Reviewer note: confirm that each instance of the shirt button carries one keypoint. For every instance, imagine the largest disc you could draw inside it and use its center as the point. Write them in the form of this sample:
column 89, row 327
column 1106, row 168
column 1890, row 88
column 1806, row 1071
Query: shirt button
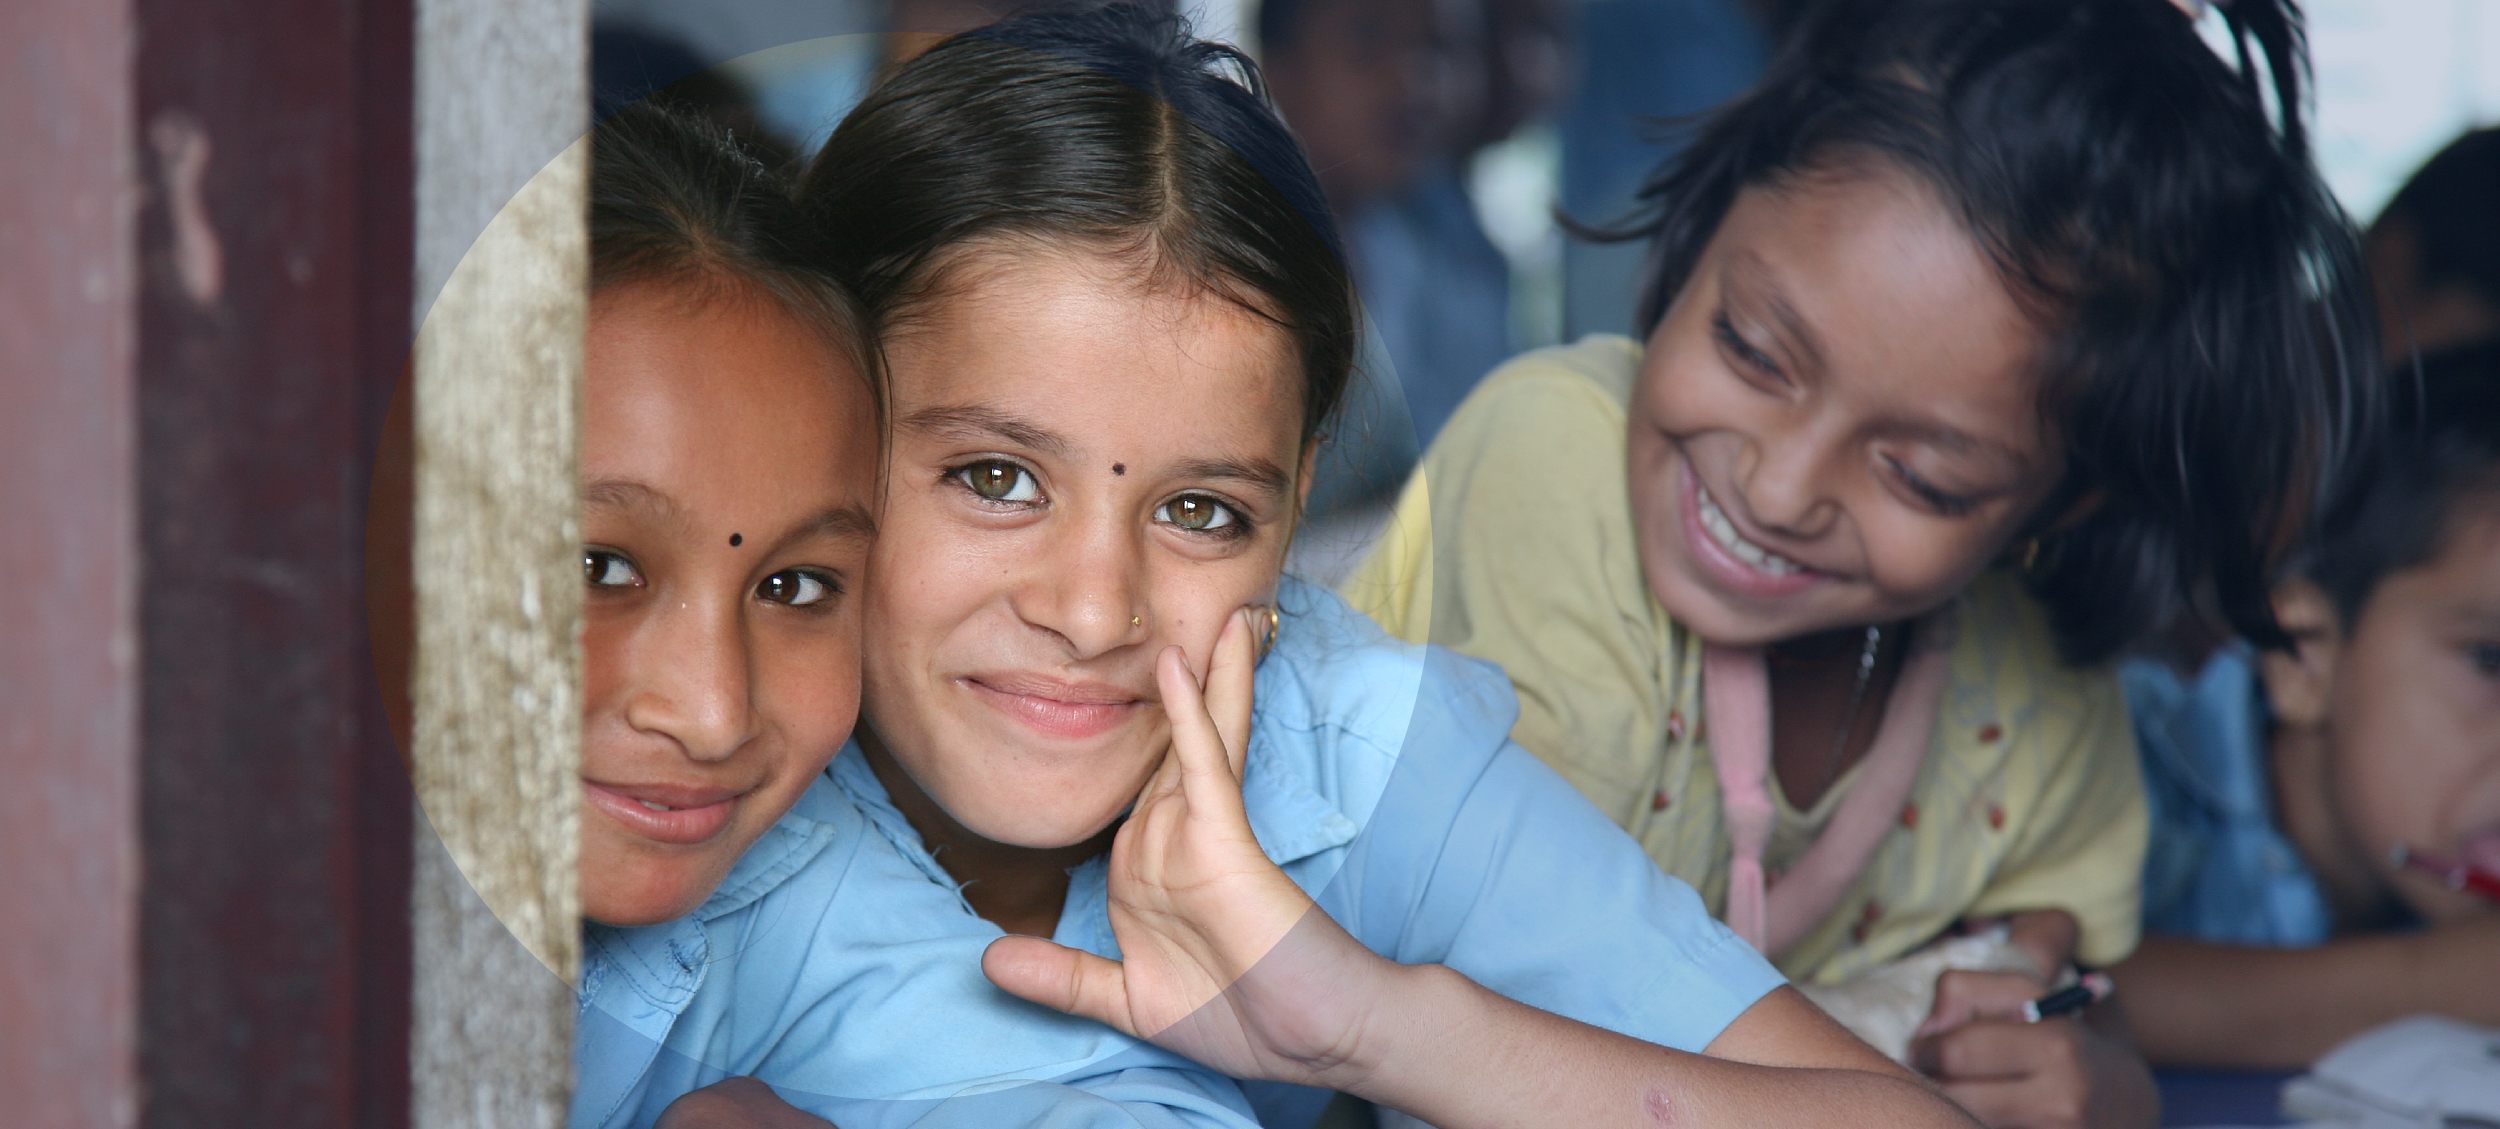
column 1658, row 800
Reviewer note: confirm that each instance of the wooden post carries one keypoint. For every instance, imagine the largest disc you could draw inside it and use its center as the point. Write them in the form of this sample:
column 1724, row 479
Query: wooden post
column 69, row 721
column 502, row 101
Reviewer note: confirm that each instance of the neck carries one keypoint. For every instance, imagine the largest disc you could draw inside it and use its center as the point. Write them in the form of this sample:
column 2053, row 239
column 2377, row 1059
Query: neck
column 1813, row 678
column 2297, row 763
column 1018, row 889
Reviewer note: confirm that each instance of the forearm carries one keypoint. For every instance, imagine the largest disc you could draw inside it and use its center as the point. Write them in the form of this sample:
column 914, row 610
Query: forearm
column 1457, row 1054
column 2196, row 1004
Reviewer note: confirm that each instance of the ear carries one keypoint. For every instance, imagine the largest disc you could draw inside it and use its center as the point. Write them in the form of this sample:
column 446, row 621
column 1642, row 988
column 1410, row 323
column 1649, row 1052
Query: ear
column 2298, row 681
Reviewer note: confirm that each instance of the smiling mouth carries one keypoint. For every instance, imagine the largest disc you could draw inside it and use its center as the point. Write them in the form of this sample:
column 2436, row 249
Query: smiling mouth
column 1714, row 521
column 1070, row 713
column 678, row 817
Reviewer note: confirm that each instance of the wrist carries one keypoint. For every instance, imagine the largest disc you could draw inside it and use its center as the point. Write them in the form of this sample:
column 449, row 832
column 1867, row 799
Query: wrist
column 1385, row 1051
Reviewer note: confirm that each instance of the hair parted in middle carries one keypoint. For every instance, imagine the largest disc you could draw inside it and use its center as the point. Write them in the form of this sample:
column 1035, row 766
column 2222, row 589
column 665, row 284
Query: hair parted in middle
column 1106, row 129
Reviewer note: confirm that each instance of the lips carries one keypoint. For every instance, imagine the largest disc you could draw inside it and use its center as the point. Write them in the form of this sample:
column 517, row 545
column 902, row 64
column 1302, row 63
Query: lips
column 1057, row 708
column 1732, row 561
column 665, row 813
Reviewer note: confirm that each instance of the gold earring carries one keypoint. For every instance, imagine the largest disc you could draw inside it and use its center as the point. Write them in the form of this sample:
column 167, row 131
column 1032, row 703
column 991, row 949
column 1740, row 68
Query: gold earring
column 1275, row 624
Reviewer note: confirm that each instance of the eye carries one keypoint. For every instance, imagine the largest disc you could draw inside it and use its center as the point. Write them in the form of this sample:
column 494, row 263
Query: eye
column 1735, row 345
column 1928, row 494
column 797, row 587
column 604, row 568
column 1198, row 513
column 996, row 480
column 2485, row 656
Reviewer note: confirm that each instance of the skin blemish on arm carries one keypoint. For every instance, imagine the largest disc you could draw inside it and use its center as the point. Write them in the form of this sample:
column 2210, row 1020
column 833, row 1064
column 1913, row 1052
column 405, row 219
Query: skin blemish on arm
column 736, row 539
column 1119, row 468
column 1660, row 1110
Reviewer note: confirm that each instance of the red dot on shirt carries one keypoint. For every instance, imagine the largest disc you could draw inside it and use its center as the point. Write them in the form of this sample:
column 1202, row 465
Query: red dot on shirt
column 1996, row 817
column 1989, row 733
column 1658, row 800
column 1909, row 815
column 1675, row 725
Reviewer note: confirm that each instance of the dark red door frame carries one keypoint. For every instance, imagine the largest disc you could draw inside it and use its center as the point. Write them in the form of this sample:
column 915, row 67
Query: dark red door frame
column 206, row 823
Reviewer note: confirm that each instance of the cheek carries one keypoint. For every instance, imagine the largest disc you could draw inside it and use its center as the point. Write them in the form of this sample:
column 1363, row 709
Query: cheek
column 808, row 688
column 1918, row 560
column 2392, row 769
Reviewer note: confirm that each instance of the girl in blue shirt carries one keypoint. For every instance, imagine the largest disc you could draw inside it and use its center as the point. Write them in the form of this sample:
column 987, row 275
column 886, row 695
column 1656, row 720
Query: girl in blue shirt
column 1116, row 321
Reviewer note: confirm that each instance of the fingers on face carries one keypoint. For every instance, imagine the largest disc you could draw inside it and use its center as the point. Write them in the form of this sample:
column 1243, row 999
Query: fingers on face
column 1196, row 743
column 1230, row 677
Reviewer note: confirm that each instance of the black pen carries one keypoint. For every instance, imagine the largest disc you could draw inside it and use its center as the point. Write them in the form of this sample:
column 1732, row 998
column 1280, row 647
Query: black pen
column 2094, row 987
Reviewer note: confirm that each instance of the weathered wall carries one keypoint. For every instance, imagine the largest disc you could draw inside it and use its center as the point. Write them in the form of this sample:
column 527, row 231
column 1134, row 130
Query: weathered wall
column 502, row 96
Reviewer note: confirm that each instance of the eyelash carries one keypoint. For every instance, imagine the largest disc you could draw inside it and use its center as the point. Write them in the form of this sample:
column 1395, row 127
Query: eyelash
column 1744, row 352
column 595, row 560
column 1950, row 505
column 1238, row 527
column 1236, row 524
column 821, row 604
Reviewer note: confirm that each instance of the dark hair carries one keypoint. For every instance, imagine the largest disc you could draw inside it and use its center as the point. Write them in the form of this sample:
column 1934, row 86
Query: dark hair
column 2404, row 499
column 675, row 200
column 1108, row 128
column 2210, row 348
column 2453, row 204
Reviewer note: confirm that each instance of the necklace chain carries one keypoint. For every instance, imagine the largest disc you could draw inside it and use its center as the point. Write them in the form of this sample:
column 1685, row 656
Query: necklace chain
column 1857, row 698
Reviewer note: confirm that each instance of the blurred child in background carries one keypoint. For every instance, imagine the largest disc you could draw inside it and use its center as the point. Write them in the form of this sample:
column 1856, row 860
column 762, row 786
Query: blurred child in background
column 2286, row 786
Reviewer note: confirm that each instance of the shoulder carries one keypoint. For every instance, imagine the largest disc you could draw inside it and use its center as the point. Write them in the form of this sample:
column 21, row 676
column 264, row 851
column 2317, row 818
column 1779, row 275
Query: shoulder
column 2006, row 664
column 1584, row 385
column 1341, row 702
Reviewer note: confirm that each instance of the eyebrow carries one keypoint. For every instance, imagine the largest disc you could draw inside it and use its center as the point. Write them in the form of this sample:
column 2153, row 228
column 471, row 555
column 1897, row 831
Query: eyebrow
column 1963, row 443
column 843, row 521
column 1792, row 325
column 974, row 422
column 1262, row 475
column 627, row 494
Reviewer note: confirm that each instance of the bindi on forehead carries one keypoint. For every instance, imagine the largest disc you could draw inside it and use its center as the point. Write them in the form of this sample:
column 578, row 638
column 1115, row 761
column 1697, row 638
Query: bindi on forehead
column 1119, row 468
column 736, row 539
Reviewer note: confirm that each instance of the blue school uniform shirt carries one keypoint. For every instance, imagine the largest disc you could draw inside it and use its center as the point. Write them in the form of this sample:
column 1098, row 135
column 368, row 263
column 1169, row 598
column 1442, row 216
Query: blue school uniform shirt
column 807, row 970
column 2219, row 867
column 1381, row 778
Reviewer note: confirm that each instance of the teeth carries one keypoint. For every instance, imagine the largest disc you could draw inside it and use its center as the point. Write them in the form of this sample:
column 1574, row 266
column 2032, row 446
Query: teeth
column 1724, row 532
column 655, row 807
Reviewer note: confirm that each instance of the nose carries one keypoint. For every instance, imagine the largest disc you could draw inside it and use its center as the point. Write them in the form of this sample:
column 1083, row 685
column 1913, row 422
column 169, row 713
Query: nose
column 693, row 680
column 1783, row 481
column 1089, row 590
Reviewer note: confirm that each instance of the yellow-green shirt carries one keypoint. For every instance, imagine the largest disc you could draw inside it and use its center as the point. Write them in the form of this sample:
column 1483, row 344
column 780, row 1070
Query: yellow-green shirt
column 1513, row 542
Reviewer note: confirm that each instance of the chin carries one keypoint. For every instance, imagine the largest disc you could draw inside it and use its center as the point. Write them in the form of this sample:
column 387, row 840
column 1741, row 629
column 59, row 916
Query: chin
column 651, row 905
column 1037, row 828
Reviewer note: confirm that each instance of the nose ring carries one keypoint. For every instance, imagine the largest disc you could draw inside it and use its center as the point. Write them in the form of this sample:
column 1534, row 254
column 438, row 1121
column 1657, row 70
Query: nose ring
column 1136, row 620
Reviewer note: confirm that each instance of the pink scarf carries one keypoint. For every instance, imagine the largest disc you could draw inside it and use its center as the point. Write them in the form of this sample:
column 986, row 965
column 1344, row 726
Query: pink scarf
column 1736, row 692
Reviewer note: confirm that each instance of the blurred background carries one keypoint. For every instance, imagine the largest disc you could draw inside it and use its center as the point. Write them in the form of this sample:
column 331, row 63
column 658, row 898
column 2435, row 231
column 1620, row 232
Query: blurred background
column 1458, row 138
